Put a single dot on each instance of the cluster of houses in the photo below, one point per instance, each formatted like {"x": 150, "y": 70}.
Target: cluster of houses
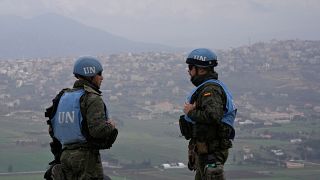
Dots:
{"x": 178, "y": 165}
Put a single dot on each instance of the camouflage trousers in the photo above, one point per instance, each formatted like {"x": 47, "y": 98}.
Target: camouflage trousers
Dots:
{"x": 206, "y": 170}
{"x": 81, "y": 164}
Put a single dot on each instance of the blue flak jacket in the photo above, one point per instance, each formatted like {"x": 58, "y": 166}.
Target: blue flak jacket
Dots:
{"x": 231, "y": 110}
{"x": 66, "y": 122}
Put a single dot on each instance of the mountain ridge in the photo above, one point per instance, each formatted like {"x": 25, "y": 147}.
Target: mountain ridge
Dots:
{"x": 52, "y": 35}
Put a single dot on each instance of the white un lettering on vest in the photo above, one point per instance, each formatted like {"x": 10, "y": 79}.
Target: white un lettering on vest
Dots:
{"x": 66, "y": 117}
{"x": 200, "y": 58}
{"x": 89, "y": 70}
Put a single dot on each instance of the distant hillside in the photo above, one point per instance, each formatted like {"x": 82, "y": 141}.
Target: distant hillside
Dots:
{"x": 51, "y": 35}
{"x": 275, "y": 86}
{"x": 274, "y": 71}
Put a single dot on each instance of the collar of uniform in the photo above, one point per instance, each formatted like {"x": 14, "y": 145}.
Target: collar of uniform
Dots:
{"x": 87, "y": 86}
{"x": 197, "y": 80}
{"x": 91, "y": 90}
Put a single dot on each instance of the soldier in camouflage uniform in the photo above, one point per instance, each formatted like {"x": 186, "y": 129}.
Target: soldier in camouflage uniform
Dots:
{"x": 79, "y": 125}
{"x": 209, "y": 116}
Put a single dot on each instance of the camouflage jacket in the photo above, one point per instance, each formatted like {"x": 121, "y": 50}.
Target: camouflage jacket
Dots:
{"x": 210, "y": 102}
{"x": 94, "y": 113}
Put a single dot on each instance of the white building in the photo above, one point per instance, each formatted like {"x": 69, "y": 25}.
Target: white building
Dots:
{"x": 173, "y": 165}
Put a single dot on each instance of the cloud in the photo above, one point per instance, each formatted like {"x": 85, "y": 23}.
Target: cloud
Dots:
{"x": 184, "y": 22}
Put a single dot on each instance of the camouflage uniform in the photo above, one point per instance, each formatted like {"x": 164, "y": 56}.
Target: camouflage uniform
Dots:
{"x": 82, "y": 161}
{"x": 210, "y": 140}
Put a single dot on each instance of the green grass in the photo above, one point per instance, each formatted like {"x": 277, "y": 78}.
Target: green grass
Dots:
{"x": 24, "y": 177}
{"x": 24, "y": 159}
{"x": 256, "y": 143}
{"x": 119, "y": 178}
{"x": 304, "y": 173}
{"x": 293, "y": 127}
{"x": 40, "y": 176}
{"x": 275, "y": 173}
{"x": 140, "y": 146}
{"x": 153, "y": 140}
{"x": 268, "y": 178}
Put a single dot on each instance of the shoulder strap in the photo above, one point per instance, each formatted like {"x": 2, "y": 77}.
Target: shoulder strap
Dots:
{"x": 50, "y": 111}
{"x": 84, "y": 124}
{"x": 55, "y": 145}
{"x": 201, "y": 87}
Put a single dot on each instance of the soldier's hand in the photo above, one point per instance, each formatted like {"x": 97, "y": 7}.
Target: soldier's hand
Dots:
{"x": 188, "y": 107}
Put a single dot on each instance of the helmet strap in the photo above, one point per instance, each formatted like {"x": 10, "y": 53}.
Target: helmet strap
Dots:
{"x": 212, "y": 69}
{"x": 197, "y": 70}
{"x": 89, "y": 79}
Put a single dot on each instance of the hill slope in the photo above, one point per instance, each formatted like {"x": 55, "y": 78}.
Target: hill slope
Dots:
{"x": 53, "y": 35}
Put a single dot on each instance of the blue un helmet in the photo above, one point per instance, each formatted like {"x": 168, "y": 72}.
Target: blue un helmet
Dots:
{"x": 202, "y": 57}
{"x": 87, "y": 66}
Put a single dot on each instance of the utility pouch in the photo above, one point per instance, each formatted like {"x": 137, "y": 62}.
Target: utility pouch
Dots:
{"x": 54, "y": 172}
{"x": 56, "y": 149}
{"x": 202, "y": 148}
{"x": 185, "y": 127}
{"x": 213, "y": 145}
{"x": 200, "y": 132}
{"x": 226, "y": 131}
{"x": 225, "y": 144}
{"x": 112, "y": 138}
{"x": 191, "y": 157}
{"x": 214, "y": 171}
{"x": 104, "y": 143}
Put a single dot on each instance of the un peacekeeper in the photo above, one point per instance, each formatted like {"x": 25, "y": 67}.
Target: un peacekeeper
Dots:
{"x": 79, "y": 125}
{"x": 209, "y": 117}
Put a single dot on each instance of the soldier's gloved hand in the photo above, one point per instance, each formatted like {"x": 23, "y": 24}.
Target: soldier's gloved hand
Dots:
{"x": 188, "y": 107}
{"x": 111, "y": 123}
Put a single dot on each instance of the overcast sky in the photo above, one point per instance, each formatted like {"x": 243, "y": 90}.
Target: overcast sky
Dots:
{"x": 193, "y": 23}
